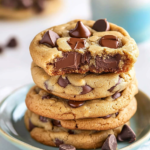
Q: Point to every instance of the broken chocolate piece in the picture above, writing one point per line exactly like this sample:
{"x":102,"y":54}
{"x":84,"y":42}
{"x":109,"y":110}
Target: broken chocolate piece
{"x":101,"y":25}
{"x":76,"y":43}
{"x":31,"y":126}
{"x":43,"y":119}
{"x":112,"y":88}
{"x":109,"y":41}
{"x":56,"y":123}
{"x":75,"y":104}
{"x":80,"y":31}
{"x":46,"y":96}
{"x":50,"y":38}
{"x":116,"y":95}
{"x":86,"y":89}
{"x":58,"y":142}
{"x":110,"y":143}
{"x":66,"y":147}
{"x":12,"y":43}
{"x":63,"y":82}
{"x":127,"y":134}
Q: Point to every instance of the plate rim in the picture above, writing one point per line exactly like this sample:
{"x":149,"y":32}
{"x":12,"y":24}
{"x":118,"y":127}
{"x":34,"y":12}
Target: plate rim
{"x":16,"y":142}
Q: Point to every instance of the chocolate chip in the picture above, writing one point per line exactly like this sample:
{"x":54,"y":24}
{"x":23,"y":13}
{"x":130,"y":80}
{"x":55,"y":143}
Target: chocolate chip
{"x":66,"y":147}
{"x":71,"y":132}
{"x":80,"y":31}
{"x":117,"y":113}
{"x":58,"y":142}
{"x":76,"y":43}
{"x":75,"y":104}
{"x":110,"y":143}
{"x":109,"y":41}
{"x":26,"y":3}
{"x":101,"y":25}
{"x":46,"y":96}
{"x":63,"y":82}
{"x":56,"y":123}
{"x":86,"y":89}
{"x":116,"y":95}
{"x":12,"y":43}
{"x":31,"y":126}
{"x":40,"y":5}
{"x":10,"y":3}
{"x":110,"y":63}
{"x":43,"y":119}
{"x":112,"y":88}
{"x":50,"y":38}
{"x":46,"y":85}
{"x":127,"y":134}
{"x":105,"y":117}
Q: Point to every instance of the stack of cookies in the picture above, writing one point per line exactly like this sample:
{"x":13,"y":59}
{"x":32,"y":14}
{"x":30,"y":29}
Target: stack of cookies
{"x":85,"y":85}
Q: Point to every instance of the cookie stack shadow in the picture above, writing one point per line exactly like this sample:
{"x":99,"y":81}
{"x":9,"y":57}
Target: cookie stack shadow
{"x":85,"y":85}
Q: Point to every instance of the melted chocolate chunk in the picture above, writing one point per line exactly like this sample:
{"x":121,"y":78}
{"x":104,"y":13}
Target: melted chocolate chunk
{"x":127,"y":134}
{"x":58,"y":142}
{"x":75,"y":104}
{"x":86,"y":89}
{"x":101,"y":25}
{"x":66,"y":147}
{"x":80,"y":31}
{"x":76,"y":43}
{"x":116,"y":95}
{"x":31,"y":126}
{"x":12,"y":43}
{"x":105,"y":117}
{"x":112,"y":88}
{"x":46,"y":96}
{"x":43,"y":119}
{"x":110,"y":63}
{"x":63,"y":82}
{"x":71,"y":132}
{"x":109,"y":41}
{"x":50,"y":38}
{"x":56,"y":123}
{"x":110,"y":143}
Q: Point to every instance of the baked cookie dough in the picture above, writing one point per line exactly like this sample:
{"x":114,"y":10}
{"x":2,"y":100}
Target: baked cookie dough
{"x":52,"y":135}
{"x":81,"y":46}
{"x":103,"y":123}
{"x":50,"y":106}
{"x":82,"y":86}
{"x":21,"y":9}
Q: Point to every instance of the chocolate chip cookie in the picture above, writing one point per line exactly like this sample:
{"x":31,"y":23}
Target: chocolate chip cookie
{"x":50,"y":133}
{"x":100,"y":123}
{"x":82,"y":86}
{"x":21,"y":9}
{"x":81,"y":46}
{"x":48,"y":105}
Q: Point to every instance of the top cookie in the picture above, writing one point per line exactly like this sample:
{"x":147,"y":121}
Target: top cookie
{"x":80,"y":46}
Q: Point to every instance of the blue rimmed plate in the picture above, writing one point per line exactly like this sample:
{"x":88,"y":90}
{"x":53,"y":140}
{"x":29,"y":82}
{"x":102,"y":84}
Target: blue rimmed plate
{"x":12,"y":126}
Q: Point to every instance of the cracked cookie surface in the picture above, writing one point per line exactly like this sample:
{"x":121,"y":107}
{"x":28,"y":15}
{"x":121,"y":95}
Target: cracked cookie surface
{"x":48,"y":105}
{"x":77,"y":47}
{"x":49,"y":134}
{"x":80,"y":87}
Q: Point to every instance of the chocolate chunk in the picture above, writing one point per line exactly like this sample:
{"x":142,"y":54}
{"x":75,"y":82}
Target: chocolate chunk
{"x":69,"y":60}
{"x":110,"y":63}
{"x":86,"y":89}
{"x":71,"y":132}
{"x":85,"y":59}
{"x":63,"y":82}
{"x":101,"y":25}
{"x":110,"y":143}
{"x":117,"y":113}
{"x":43,"y":119}
{"x":75,"y":104}
{"x":50,"y":38}
{"x":46,"y":85}
{"x":56,"y":123}
{"x":116,"y":95}
{"x":58,"y":142}
{"x":46,"y":96}
{"x":26,"y":3}
{"x":109,"y":41}
{"x":80,"y":31}
{"x":10,"y":3}
{"x":40,"y":5}
{"x":66,"y":147}
{"x":112,"y":88}
{"x":76,"y":43}
{"x":12,"y":43}
{"x":105,"y":117}
{"x":127,"y":134}
{"x":31,"y":126}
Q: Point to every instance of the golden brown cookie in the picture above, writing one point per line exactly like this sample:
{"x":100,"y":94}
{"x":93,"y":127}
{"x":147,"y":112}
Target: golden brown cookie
{"x":81,"y":46}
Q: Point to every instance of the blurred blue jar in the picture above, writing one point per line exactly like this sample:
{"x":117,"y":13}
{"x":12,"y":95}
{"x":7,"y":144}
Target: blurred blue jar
{"x":133,"y":15}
